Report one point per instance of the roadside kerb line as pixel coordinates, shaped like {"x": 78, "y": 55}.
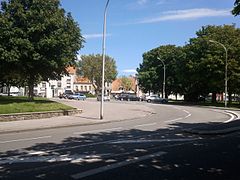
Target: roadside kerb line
{"x": 116, "y": 165}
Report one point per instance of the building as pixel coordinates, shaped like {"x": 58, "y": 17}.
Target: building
{"x": 83, "y": 85}
{"x": 118, "y": 87}
{"x": 54, "y": 88}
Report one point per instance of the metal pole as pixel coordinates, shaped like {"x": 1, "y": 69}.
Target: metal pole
{"x": 164, "y": 77}
{"x": 226, "y": 70}
{"x": 103, "y": 60}
{"x": 226, "y": 77}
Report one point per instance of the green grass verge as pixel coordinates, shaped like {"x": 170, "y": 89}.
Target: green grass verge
{"x": 10, "y": 105}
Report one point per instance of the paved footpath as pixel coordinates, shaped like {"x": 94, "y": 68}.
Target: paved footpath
{"x": 113, "y": 111}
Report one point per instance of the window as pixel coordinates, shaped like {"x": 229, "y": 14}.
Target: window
{"x": 43, "y": 85}
{"x": 68, "y": 87}
{"x": 81, "y": 88}
{"x": 90, "y": 88}
{"x": 68, "y": 81}
{"x": 59, "y": 84}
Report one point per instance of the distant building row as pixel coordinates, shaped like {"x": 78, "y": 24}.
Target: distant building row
{"x": 75, "y": 83}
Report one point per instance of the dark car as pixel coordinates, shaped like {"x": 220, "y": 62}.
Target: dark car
{"x": 156, "y": 99}
{"x": 66, "y": 94}
{"x": 128, "y": 97}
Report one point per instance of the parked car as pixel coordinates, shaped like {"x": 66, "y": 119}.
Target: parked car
{"x": 105, "y": 97}
{"x": 128, "y": 97}
{"x": 77, "y": 96}
{"x": 66, "y": 94}
{"x": 156, "y": 99}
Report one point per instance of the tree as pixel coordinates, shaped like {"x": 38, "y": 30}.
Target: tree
{"x": 150, "y": 72}
{"x": 91, "y": 67}
{"x": 126, "y": 83}
{"x": 205, "y": 66}
{"x": 236, "y": 9}
{"x": 38, "y": 40}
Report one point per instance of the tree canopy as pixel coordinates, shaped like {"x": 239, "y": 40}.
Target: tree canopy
{"x": 38, "y": 40}
{"x": 236, "y": 9}
{"x": 196, "y": 69}
{"x": 150, "y": 72}
{"x": 126, "y": 83}
{"x": 91, "y": 67}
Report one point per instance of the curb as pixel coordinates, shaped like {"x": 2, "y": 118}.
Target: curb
{"x": 71, "y": 125}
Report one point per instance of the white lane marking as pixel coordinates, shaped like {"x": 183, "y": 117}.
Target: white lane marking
{"x": 25, "y": 139}
{"x": 143, "y": 125}
{"x": 187, "y": 112}
{"x": 98, "y": 130}
{"x": 116, "y": 165}
{"x": 172, "y": 120}
{"x": 232, "y": 117}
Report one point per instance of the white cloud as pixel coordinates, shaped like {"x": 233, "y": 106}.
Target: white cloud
{"x": 141, "y": 2}
{"x": 133, "y": 71}
{"x": 94, "y": 36}
{"x": 187, "y": 14}
{"x": 160, "y": 2}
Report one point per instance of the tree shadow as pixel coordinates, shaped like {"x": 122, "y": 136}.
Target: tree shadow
{"x": 13, "y": 99}
{"x": 168, "y": 153}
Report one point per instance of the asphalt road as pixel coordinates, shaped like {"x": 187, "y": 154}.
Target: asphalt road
{"x": 151, "y": 147}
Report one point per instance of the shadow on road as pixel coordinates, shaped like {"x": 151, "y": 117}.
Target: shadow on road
{"x": 130, "y": 154}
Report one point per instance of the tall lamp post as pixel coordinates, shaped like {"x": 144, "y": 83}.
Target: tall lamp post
{"x": 226, "y": 69}
{"x": 164, "y": 77}
{"x": 103, "y": 60}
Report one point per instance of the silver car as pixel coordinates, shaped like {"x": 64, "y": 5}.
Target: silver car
{"x": 105, "y": 97}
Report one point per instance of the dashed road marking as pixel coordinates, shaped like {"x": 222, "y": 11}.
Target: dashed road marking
{"x": 143, "y": 125}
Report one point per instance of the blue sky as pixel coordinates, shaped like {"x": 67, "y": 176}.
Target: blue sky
{"x": 137, "y": 26}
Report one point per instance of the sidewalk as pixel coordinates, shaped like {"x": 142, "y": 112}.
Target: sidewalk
{"x": 113, "y": 112}
{"x": 91, "y": 112}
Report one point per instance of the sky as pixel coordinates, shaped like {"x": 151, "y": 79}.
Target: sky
{"x": 137, "y": 26}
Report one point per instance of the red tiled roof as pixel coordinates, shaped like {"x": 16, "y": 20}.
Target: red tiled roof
{"x": 80, "y": 79}
{"x": 116, "y": 84}
{"x": 71, "y": 70}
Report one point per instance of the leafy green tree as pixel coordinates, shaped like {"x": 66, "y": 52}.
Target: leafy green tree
{"x": 205, "y": 66}
{"x": 236, "y": 9}
{"x": 150, "y": 72}
{"x": 126, "y": 83}
{"x": 91, "y": 67}
{"x": 38, "y": 40}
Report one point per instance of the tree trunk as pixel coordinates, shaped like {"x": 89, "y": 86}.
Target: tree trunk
{"x": 8, "y": 89}
{"x": 31, "y": 89}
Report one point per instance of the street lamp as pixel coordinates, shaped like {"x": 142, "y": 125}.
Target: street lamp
{"x": 103, "y": 60}
{"x": 226, "y": 69}
{"x": 164, "y": 77}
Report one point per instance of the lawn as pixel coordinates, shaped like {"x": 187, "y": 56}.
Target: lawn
{"x": 10, "y": 105}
